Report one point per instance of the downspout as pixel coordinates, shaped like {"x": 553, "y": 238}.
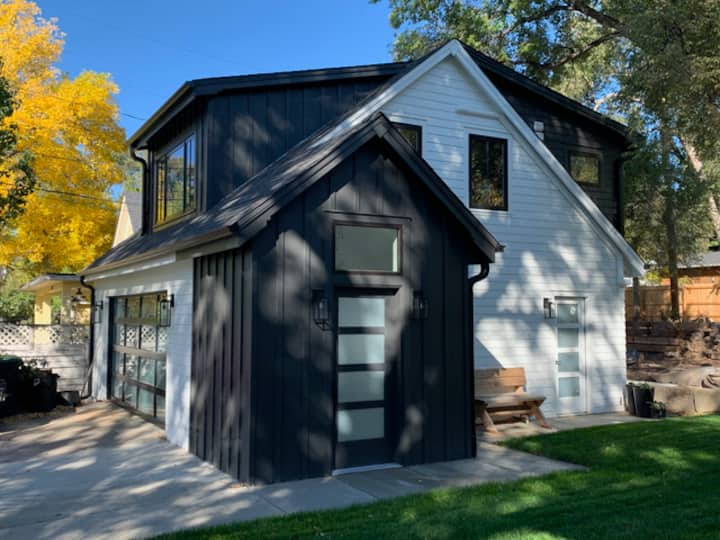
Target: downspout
{"x": 91, "y": 341}
{"x": 472, "y": 280}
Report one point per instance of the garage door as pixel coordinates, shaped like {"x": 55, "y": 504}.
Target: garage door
{"x": 137, "y": 371}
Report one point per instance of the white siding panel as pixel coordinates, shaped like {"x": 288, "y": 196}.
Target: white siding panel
{"x": 177, "y": 279}
{"x": 552, "y": 248}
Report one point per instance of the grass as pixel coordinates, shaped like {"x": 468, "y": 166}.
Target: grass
{"x": 646, "y": 480}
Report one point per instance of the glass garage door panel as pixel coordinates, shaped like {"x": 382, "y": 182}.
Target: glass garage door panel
{"x": 138, "y": 359}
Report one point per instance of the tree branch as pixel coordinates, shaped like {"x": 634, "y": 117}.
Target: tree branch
{"x": 571, "y": 57}
{"x": 534, "y": 18}
{"x": 601, "y": 18}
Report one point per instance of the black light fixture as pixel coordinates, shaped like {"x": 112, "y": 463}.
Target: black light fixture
{"x": 548, "y": 308}
{"x": 420, "y": 306}
{"x": 320, "y": 308}
{"x": 77, "y": 298}
{"x": 96, "y": 312}
{"x": 164, "y": 307}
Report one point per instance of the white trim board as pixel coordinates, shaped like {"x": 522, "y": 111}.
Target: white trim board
{"x": 633, "y": 264}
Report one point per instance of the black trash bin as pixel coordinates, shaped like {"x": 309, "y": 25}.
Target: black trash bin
{"x": 41, "y": 391}
{"x": 9, "y": 384}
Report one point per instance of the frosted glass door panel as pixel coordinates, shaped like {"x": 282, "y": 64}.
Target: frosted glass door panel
{"x": 356, "y": 386}
{"x": 361, "y": 349}
{"x": 361, "y": 424}
{"x": 361, "y": 311}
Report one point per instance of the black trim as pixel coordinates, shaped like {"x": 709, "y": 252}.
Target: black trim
{"x": 488, "y": 140}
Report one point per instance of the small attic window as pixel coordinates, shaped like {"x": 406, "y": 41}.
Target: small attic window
{"x": 585, "y": 168}
{"x": 412, "y": 134}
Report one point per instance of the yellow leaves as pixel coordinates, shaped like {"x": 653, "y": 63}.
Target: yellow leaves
{"x": 70, "y": 128}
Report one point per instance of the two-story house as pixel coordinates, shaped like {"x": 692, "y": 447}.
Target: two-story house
{"x": 326, "y": 255}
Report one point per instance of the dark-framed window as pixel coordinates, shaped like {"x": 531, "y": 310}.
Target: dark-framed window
{"x": 585, "y": 168}
{"x": 488, "y": 173}
{"x": 367, "y": 248}
{"x": 412, "y": 134}
{"x": 176, "y": 181}
{"x": 137, "y": 356}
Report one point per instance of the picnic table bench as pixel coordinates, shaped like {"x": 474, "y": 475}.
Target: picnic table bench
{"x": 500, "y": 396}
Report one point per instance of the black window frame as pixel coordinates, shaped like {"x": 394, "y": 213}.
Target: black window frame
{"x": 161, "y": 162}
{"x": 488, "y": 139}
{"x": 412, "y": 127}
{"x": 368, "y": 225}
{"x": 585, "y": 153}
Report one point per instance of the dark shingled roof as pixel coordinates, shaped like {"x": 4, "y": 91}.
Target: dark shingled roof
{"x": 247, "y": 209}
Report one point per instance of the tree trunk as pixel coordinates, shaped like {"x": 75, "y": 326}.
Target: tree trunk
{"x": 669, "y": 222}
{"x": 671, "y": 234}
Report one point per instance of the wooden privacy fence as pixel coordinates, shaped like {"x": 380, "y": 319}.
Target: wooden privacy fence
{"x": 696, "y": 300}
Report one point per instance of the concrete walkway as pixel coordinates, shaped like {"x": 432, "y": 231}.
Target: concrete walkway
{"x": 103, "y": 473}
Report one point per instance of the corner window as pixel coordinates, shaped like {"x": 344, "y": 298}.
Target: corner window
{"x": 585, "y": 168}
{"x": 488, "y": 173}
{"x": 176, "y": 181}
{"x": 367, "y": 248}
{"x": 412, "y": 134}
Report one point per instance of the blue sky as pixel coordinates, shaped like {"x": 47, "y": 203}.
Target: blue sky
{"x": 151, "y": 47}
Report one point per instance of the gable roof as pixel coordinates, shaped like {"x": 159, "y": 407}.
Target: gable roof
{"x": 455, "y": 49}
{"x": 247, "y": 210}
{"x": 194, "y": 89}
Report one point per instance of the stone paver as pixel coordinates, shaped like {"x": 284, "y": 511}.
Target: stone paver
{"x": 104, "y": 473}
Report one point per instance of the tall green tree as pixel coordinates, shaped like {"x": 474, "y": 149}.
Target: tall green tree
{"x": 16, "y": 175}
{"x": 653, "y": 63}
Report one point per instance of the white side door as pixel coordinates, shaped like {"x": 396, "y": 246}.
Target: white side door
{"x": 570, "y": 379}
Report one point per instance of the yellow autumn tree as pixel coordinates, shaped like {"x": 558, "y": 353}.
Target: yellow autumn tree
{"x": 69, "y": 127}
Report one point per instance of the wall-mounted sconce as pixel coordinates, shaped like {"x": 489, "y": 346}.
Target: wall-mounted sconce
{"x": 420, "y": 306}
{"x": 165, "y": 305}
{"x": 548, "y": 310}
{"x": 320, "y": 309}
{"x": 96, "y": 312}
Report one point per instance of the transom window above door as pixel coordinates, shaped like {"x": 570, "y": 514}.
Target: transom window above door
{"x": 367, "y": 248}
{"x": 488, "y": 173}
{"x": 176, "y": 181}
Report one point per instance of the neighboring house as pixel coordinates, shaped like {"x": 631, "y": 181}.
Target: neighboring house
{"x": 307, "y": 292}
{"x": 129, "y": 216}
{"x": 58, "y": 337}
{"x": 703, "y": 269}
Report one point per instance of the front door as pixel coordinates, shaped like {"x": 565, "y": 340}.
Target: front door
{"x": 363, "y": 409}
{"x": 570, "y": 361}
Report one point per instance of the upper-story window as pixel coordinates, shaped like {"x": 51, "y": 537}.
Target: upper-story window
{"x": 176, "y": 181}
{"x": 412, "y": 134}
{"x": 585, "y": 168}
{"x": 488, "y": 173}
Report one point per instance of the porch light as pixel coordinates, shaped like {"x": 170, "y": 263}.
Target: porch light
{"x": 320, "y": 309}
{"x": 77, "y": 298}
{"x": 420, "y": 306}
{"x": 164, "y": 307}
{"x": 548, "y": 308}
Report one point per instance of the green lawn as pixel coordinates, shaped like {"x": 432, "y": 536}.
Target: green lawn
{"x": 646, "y": 480}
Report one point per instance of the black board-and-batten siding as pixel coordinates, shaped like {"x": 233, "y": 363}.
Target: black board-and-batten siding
{"x": 263, "y": 404}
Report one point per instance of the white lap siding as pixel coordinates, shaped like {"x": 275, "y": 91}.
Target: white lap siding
{"x": 176, "y": 278}
{"x": 552, "y": 247}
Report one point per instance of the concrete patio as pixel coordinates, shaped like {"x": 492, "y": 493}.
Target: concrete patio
{"x": 104, "y": 473}
{"x": 562, "y": 423}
